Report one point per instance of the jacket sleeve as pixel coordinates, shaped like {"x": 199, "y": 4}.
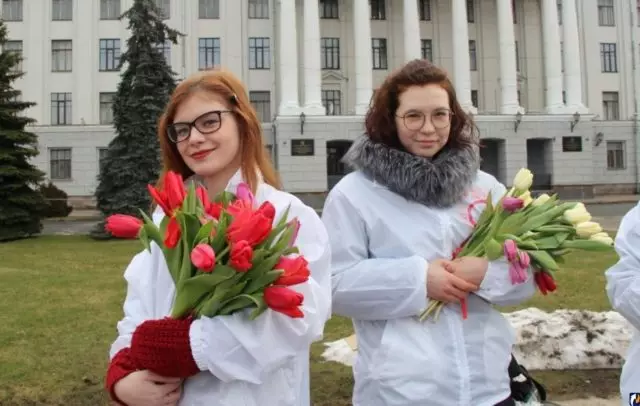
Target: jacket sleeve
{"x": 136, "y": 309}
{"x": 235, "y": 348}
{"x": 623, "y": 278}
{"x": 496, "y": 287}
{"x": 369, "y": 288}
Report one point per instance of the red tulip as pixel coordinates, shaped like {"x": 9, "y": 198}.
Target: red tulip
{"x": 211, "y": 209}
{"x": 267, "y": 210}
{"x": 241, "y": 256}
{"x": 545, "y": 282}
{"x": 252, "y": 227}
{"x": 512, "y": 204}
{"x": 203, "y": 257}
{"x": 173, "y": 233}
{"x": 123, "y": 226}
{"x": 295, "y": 271}
{"x": 172, "y": 194}
{"x": 284, "y": 300}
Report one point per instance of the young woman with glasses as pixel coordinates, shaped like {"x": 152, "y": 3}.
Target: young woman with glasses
{"x": 210, "y": 134}
{"x": 394, "y": 225}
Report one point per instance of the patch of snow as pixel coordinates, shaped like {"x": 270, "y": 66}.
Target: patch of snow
{"x": 563, "y": 339}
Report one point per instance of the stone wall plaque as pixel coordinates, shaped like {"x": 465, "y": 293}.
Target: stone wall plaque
{"x": 303, "y": 147}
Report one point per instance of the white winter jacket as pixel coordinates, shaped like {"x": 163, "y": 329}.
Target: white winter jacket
{"x": 381, "y": 244}
{"x": 623, "y": 289}
{"x": 243, "y": 362}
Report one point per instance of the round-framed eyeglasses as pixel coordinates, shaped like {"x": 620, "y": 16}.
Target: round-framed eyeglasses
{"x": 414, "y": 120}
{"x": 206, "y": 123}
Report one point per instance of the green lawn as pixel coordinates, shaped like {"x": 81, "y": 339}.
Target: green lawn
{"x": 60, "y": 298}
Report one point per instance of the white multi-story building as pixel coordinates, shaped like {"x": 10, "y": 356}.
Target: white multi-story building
{"x": 551, "y": 83}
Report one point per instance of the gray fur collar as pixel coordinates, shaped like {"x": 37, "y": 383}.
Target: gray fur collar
{"x": 440, "y": 182}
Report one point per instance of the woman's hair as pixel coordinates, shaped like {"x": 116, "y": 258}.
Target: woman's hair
{"x": 254, "y": 157}
{"x": 380, "y": 120}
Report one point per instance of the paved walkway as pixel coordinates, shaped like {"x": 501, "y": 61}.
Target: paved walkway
{"x": 591, "y": 402}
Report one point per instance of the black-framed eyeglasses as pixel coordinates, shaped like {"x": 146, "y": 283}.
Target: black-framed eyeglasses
{"x": 414, "y": 120}
{"x": 206, "y": 123}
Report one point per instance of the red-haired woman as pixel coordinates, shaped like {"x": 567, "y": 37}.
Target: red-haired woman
{"x": 394, "y": 224}
{"x": 210, "y": 133}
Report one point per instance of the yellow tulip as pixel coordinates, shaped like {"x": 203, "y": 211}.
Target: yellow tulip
{"x": 602, "y": 237}
{"x": 540, "y": 200}
{"x": 577, "y": 215}
{"x": 588, "y": 228}
{"x": 523, "y": 180}
{"x": 526, "y": 198}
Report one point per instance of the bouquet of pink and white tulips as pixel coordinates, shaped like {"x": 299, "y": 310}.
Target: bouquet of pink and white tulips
{"x": 527, "y": 232}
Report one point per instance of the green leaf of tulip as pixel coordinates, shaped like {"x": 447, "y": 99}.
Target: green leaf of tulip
{"x": 589, "y": 245}
{"x": 543, "y": 258}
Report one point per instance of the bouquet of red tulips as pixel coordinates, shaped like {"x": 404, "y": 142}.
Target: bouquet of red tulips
{"x": 528, "y": 232}
{"x": 224, "y": 255}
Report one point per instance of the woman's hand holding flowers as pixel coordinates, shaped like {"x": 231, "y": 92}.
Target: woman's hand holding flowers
{"x": 444, "y": 285}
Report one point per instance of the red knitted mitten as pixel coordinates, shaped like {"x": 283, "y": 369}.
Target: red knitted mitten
{"x": 162, "y": 346}
{"x": 121, "y": 365}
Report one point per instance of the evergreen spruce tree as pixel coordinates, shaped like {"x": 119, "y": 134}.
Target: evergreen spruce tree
{"x": 22, "y": 205}
{"x": 133, "y": 157}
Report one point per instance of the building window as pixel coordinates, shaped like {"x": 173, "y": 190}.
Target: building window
{"x": 606, "y": 14}
{"x": 473, "y": 62}
{"x": 259, "y": 9}
{"x": 109, "y": 54}
{"x": 209, "y": 9}
{"x": 165, "y": 8}
{"x": 61, "y": 10}
{"x": 106, "y": 108}
{"x": 474, "y": 98}
{"x": 608, "y": 58}
{"x": 559, "y": 6}
{"x": 424, "y": 9}
{"x": 261, "y": 101}
{"x": 61, "y": 56}
{"x": 330, "y": 53}
{"x": 109, "y": 9}
{"x": 165, "y": 50}
{"x": 15, "y": 47}
{"x": 259, "y": 53}
{"x": 328, "y": 9}
{"x": 471, "y": 12}
{"x": 426, "y": 48}
{"x": 378, "y": 9}
{"x": 610, "y": 106}
{"x": 379, "y": 48}
{"x": 615, "y": 155}
{"x": 12, "y": 10}
{"x": 208, "y": 53}
{"x": 332, "y": 102}
{"x": 60, "y": 163}
{"x": 60, "y": 108}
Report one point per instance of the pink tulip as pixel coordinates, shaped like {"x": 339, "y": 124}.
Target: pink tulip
{"x": 510, "y": 250}
{"x": 203, "y": 257}
{"x": 524, "y": 260}
{"x": 243, "y": 192}
{"x": 512, "y": 204}
{"x": 517, "y": 273}
{"x": 295, "y": 223}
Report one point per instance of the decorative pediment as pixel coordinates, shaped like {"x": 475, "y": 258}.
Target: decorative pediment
{"x": 332, "y": 75}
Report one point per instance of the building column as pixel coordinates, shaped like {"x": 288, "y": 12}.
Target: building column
{"x": 288, "y": 59}
{"x": 552, "y": 57}
{"x": 312, "y": 69}
{"x": 461, "y": 59}
{"x": 509, "y": 103}
{"x": 363, "y": 55}
{"x": 572, "y": 59}
{"x": 411, "y": 20}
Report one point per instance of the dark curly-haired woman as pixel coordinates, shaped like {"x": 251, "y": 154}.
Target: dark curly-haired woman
{"x": 394, "y": 224}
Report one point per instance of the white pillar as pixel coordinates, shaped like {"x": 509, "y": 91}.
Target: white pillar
{"x": 363, "y": 55}
{"x": 509, "y": 103}
{"x": 312, "y": 69}
{"x": 572, "y": 59}
{"x": 288, "y": 59}
{"x": 461, "y": 60}
{"x": 411, "y": 27}
{"x": 552, "y": 57}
